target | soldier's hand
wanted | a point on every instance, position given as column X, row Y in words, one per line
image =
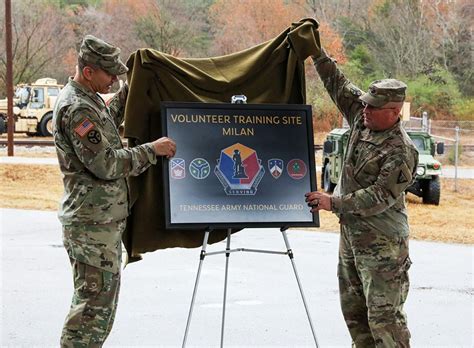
column 318, row 201
column 124, row 88
column 165, row 147
column 319, row 56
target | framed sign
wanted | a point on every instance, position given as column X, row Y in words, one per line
column 239, row 165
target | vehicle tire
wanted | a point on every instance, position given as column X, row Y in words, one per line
column 327, row 184
column 431, row 191
column 46, row 125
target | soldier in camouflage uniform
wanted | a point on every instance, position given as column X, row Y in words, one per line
column 379, row 164
column 95, row 205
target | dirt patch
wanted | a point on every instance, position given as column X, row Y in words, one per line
column 40, row 187
column 36, row 152
column 450, row 222
column 30, row 186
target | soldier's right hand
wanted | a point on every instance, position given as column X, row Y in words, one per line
column 164, row 147
column 320, row 55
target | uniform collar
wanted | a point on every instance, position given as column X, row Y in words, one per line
column 95, row 97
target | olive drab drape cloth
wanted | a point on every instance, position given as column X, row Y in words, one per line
column 272, row 72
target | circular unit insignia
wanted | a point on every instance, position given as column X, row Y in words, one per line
column 199, row 168
column 94, row 137
column 296, row 169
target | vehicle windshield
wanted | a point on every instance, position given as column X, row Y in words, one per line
column 53, row 92
column 419, row 143
column 38, row 98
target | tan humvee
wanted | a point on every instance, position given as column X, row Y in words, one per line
column 33, row 107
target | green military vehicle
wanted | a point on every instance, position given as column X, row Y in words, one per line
column 427, row 183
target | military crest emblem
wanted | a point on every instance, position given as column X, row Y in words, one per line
column 177, row 168
column 94, row 137
column 275, row 166
column 199, row 168
column 296, row 169
column 401, row 178
column 239, row 170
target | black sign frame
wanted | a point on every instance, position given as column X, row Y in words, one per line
column 213, row 109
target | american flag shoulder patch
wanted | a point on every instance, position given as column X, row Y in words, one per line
column 85, row 126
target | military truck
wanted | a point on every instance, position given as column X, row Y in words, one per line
column 426, row 185
column 33, row 107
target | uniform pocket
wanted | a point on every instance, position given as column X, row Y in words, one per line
column 367, row 174
column 89, row 280
column 405, row 280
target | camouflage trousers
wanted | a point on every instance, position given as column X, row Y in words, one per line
column 373, row 286
column 95, row 259
column 93, row 306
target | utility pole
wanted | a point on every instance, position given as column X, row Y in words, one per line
column 8, row 44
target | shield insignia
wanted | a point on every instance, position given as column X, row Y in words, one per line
column 177, row 168
column 239, row 170
column 275, row 166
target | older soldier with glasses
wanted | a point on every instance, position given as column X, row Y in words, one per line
column 379, row 164
column 95, row 205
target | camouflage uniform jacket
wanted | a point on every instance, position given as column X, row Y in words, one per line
column 378, row 166
column 92, row 159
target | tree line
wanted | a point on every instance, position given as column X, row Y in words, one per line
column 426, row 43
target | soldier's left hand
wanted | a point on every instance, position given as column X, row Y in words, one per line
column 318, row 201
column 165, row 146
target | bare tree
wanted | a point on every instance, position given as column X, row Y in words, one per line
column 112, row 23
column 329, row 11
column 175, row 27
column 451, row 28
column 240, row 24
column 399, row 37
column 41, row 37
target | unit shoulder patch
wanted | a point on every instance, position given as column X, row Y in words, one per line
column 401, row 178
column 94, row 136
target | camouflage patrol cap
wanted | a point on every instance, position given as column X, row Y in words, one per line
column 383, row 92
column 102, row 54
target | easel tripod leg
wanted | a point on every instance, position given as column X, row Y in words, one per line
column 290, row 254
column 227, row 254
column 201, row 259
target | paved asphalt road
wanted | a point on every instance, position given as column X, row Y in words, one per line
column 264, row 307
